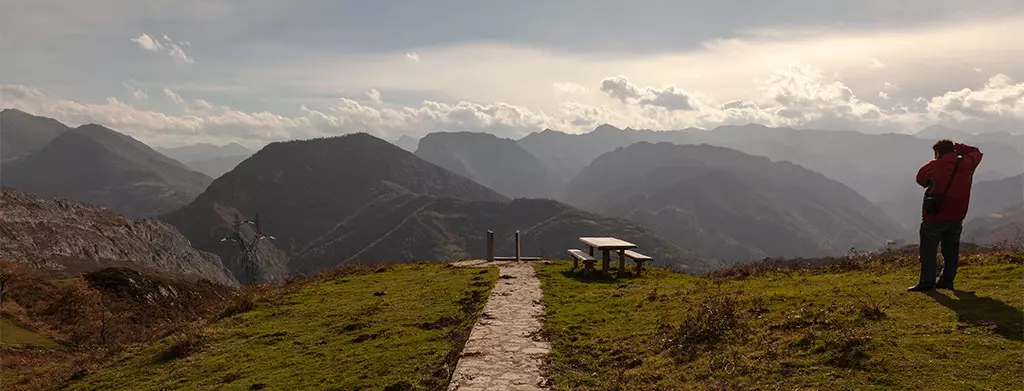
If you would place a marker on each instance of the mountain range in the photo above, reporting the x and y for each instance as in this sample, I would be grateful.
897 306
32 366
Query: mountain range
22 133
358 199
99 166
498 163
729 205
881 167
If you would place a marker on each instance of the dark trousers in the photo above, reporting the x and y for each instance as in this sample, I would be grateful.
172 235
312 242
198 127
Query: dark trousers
934 233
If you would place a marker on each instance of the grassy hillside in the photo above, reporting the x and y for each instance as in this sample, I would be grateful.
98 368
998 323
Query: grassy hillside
846 326
400 327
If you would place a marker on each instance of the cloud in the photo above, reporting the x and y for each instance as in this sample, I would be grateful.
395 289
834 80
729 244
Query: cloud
169 47
133 87
1000 97
199 105
883 95
146 42
413 56
564 88
876 64
374 95
173 96
669 97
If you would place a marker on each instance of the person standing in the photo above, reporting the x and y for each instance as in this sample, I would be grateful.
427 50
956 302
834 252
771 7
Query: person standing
948 179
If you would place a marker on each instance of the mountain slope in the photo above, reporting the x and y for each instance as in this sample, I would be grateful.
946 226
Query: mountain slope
358 199
22 133
203 151
1003 227
99 166
69 238
878 166
729 205
995 196
501 164
214 167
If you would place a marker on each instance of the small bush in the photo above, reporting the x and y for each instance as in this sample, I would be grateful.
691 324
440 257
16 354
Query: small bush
845 348
714 323
180 346
243 303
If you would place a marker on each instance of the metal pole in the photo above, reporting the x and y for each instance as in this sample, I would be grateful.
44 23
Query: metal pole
490 246
517 245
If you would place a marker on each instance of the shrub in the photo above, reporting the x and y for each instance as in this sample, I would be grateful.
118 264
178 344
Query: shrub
714 323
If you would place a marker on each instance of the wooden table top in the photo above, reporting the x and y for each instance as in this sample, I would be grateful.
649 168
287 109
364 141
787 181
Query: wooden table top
607 243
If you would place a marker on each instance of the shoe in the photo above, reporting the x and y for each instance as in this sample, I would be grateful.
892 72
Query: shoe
944 286
919 288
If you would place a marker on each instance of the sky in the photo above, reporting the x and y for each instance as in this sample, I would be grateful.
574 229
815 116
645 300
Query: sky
171 73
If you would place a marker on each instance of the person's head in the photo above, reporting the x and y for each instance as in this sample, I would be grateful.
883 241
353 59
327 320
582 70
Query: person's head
942 147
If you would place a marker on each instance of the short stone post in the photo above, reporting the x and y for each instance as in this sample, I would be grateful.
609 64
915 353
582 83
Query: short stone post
517 246
490 246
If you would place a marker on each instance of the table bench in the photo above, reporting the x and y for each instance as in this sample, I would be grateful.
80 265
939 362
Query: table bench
638 258
580 256
607 245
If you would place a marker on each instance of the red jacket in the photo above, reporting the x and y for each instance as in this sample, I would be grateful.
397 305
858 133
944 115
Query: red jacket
935 175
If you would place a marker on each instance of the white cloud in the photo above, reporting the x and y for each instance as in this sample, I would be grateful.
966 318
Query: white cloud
565 88
199 105
173 96
876 64
669 97
374 95
169 47
1000 97
883 95
148 43
413 56
133 87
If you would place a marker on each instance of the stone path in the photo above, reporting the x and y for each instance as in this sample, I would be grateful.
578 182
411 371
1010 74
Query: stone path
504 351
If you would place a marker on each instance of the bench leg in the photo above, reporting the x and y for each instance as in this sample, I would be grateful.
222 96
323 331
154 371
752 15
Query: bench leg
622 263
575 263
639 268
605 261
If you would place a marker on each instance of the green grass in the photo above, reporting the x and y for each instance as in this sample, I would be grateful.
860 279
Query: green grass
809 329
401 328
12 335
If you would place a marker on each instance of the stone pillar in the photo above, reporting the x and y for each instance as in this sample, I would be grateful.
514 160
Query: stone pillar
490 246
517 246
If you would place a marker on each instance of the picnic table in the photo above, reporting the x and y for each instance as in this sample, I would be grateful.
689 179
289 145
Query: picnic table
607 245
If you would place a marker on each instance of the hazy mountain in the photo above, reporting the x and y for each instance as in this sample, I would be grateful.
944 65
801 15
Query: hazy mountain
729 205
68 238
216 166
357 198
204 151
566 154
99 166
936 132
500 164
407 143
881 167
996 196
22 133
1004 227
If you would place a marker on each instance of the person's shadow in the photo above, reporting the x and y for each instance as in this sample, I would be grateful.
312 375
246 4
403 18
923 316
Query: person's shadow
1007 320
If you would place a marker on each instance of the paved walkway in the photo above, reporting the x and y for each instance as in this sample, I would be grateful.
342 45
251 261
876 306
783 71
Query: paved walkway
505 351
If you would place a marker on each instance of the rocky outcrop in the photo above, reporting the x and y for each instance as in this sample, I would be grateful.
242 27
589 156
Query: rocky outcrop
69 237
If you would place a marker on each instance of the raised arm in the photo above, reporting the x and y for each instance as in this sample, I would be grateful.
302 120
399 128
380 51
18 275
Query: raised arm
924 175
972 155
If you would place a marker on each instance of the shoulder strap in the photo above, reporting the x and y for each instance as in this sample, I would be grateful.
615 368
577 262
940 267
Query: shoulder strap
951 176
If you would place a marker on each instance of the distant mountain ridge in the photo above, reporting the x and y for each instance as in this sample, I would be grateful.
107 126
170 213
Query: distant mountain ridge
94 164
204 151
500 164
729 205
68 237
357 198
22 133
878 166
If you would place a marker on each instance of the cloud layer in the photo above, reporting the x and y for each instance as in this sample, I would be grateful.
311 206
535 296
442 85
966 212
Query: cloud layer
168 47
795 96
